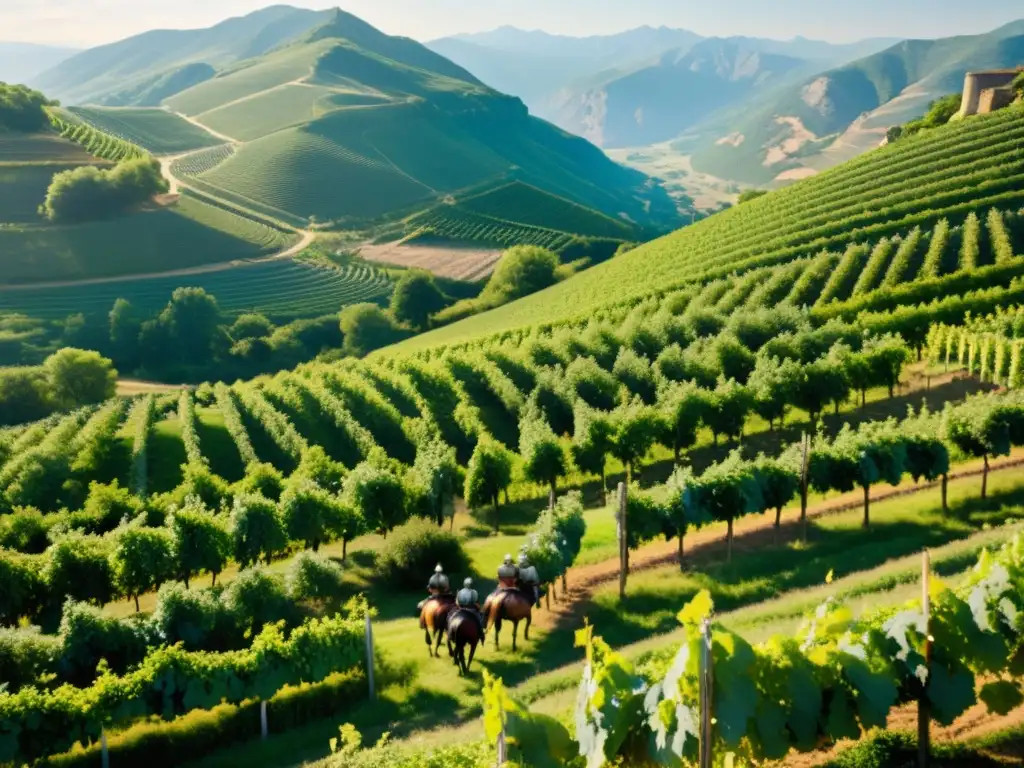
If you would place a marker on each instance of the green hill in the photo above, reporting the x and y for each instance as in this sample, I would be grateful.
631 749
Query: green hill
350 125
969 166
795 127
108 74
155 130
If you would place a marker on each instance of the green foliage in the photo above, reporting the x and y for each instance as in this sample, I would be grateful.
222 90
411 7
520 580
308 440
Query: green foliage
752 194
523 270
79 377
377 497
410 554
592 439
199 541
940 112
23 109
314 576
142 559
257 531
314 516
439 477
367 327
544 459
78 566
635 429
416 298
88 193
257 598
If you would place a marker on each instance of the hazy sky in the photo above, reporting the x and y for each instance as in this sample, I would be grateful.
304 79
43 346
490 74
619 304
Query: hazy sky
92 22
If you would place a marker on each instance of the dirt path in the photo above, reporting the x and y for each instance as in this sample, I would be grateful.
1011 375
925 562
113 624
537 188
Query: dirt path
222 136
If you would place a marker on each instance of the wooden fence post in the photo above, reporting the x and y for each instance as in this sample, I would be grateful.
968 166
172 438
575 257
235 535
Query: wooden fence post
707 681
369 658
263 720
923 708
805 458
623 541
104 752
502 746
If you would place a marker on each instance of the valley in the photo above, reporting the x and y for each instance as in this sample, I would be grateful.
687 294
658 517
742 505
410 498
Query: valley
645 398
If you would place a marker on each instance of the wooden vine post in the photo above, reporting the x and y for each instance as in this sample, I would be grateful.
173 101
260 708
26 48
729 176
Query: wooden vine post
369 658
502 745
805 457
104 751
923 708
623 541
707 683
264 730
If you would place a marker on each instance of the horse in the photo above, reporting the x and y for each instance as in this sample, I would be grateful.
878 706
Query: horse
463 630
508 605
434 612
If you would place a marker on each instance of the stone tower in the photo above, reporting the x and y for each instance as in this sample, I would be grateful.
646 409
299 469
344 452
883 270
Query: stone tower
986 92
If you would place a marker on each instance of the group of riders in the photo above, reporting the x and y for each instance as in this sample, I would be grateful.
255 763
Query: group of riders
511 576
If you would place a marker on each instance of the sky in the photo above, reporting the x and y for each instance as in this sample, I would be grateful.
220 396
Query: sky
84 23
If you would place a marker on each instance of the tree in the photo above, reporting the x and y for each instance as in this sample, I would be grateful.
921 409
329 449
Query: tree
78 566
727 409
437 471
23 109
488 474
314 516
684 408
367 327
199 541
885 357
263 479
24 395
592 383
772 385
79 377
377 496
143 559
635 429
637 375
543 456
257 598
87 192
256 530
251 325
726 491
821 383
680 514
591 441
731 358
416 297
778 485
982 428
522 270
555 402
191 323
125 323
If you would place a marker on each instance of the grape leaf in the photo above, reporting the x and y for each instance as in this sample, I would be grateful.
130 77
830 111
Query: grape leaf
841 723
950 692
698 609
1002 696
771 740
735 704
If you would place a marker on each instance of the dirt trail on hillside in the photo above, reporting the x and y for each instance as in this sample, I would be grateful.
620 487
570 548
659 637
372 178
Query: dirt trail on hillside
216 134
750 533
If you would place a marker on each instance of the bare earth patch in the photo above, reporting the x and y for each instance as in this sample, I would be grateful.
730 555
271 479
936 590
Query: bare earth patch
454 262
799 135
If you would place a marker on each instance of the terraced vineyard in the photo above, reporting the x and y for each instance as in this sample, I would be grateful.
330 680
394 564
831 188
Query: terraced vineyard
155 130
24 149
454 223
202 161
283 289
968 166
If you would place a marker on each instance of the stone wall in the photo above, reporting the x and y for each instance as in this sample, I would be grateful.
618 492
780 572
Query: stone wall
984 90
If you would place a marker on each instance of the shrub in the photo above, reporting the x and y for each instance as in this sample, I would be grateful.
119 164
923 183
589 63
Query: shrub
314 577
256 598
79 567
87 636
79 377
23 109
523 270
262 479
368 327
25 531
88 192
411 553
25 654
194 617
256 529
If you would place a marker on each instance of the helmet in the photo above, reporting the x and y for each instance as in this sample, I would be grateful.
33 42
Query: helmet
523 560
438 569
508 559
467 583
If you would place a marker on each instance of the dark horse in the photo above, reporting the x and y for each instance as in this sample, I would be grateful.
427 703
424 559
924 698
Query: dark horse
509 605
434 612
463 630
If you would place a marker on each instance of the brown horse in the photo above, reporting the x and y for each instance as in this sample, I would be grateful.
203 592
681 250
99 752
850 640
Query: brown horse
508 605
463 630
434 612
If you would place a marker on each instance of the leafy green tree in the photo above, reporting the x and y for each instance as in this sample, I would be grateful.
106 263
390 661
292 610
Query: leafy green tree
438 473
772 385
727 409
637 375
886 356
543 457
23 109
263 479
317 466
488 474
731 358
367 327
592 383
24 395
256 598
416 297
680 513
78 566
256 530
779 484
522 270
24 530
87 192
79 377
199 541
820 384
591 441
22 586
251 325
645 519
725 492
143 559
856 367
377 496
635 429
107 506
314 577
552 397
125 323
311 514
683 409
982 428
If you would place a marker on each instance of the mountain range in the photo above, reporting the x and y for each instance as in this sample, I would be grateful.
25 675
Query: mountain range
21 62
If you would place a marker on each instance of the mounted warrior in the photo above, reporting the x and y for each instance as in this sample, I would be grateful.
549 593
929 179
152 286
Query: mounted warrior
509 602
529 579
434 611
465 626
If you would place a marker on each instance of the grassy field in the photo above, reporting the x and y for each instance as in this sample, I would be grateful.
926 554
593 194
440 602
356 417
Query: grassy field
22 148
282 288
156 130
967 166
188 234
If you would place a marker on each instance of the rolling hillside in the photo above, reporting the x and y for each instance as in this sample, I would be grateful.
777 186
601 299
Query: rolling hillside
967 167
21 62
834 115
135 71
349 125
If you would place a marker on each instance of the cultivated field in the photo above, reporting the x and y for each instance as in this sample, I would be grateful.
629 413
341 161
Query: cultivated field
155 130
457 263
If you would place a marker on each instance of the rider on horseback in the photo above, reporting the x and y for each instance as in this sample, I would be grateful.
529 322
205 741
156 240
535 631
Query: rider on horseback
436 586
469 601
529 579
508 574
